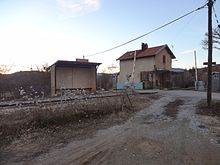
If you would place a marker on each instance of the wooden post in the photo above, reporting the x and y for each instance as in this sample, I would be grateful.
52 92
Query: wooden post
209 87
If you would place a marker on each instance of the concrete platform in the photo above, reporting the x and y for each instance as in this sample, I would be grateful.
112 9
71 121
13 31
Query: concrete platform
148 91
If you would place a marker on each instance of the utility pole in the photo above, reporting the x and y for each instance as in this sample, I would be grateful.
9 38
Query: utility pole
209 88
196 72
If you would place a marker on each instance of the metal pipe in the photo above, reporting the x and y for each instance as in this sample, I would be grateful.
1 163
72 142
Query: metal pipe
133 70
196 71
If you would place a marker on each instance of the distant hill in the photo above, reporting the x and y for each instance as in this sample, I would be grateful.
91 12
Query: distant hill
29 83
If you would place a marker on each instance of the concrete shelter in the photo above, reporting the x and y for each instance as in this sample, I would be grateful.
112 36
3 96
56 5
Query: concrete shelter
72 75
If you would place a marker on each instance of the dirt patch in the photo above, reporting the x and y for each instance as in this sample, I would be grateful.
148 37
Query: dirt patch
210 118
214 110
171 109
22 139
150 148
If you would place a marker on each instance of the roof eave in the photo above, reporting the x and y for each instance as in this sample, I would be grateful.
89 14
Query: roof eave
168 49
61 63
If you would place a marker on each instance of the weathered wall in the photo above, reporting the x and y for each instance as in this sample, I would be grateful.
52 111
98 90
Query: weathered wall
64 78
142 64
159 60
73 78
93 78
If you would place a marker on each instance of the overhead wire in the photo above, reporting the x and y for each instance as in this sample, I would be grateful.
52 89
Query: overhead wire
215 15
156 29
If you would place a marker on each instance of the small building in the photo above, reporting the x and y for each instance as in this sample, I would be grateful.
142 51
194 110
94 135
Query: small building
72 75
152 67
203 73
215 81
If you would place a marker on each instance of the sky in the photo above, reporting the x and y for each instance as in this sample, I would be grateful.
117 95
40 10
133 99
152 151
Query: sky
40 32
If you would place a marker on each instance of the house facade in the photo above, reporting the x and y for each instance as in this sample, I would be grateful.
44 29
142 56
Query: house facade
149 69
72 75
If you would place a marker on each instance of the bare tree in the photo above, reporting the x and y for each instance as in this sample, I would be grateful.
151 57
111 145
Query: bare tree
42 68
4 69
216 39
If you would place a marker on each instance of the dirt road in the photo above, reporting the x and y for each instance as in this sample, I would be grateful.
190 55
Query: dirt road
167 132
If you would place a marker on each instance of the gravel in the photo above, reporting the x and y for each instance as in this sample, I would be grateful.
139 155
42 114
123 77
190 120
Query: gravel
148 137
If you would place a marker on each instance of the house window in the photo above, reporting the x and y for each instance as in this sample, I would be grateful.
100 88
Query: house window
164 59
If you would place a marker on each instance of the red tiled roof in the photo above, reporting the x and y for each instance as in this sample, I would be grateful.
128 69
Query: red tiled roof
145 53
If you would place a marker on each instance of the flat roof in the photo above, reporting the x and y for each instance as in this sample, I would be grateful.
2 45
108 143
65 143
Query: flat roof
61 63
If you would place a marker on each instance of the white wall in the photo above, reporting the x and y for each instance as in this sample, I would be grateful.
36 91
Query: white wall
159 60
142 64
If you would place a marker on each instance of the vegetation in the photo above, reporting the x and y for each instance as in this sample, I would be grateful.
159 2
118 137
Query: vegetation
27 120
4 69
216 39
33 83
214 110
106 81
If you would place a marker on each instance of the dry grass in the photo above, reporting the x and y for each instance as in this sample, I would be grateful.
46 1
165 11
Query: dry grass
35 130
214 110
26 121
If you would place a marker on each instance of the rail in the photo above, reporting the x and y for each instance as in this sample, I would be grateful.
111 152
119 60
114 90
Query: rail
56 99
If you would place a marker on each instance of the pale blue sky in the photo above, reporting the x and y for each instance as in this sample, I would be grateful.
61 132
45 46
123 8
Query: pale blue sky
43 31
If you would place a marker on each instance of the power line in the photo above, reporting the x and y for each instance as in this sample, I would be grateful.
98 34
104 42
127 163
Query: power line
215 15
160 27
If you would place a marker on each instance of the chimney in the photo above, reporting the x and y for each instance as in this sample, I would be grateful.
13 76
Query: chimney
82 60
144 46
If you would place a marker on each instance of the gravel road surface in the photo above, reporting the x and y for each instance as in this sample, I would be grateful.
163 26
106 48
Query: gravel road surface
167 132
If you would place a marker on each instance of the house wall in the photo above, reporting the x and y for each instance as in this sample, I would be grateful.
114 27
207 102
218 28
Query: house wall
73 78
142 64
159 60
146 64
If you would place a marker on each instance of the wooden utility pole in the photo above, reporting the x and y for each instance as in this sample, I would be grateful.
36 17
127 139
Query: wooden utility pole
209 88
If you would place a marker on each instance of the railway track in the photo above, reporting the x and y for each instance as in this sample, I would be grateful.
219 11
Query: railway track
60 99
